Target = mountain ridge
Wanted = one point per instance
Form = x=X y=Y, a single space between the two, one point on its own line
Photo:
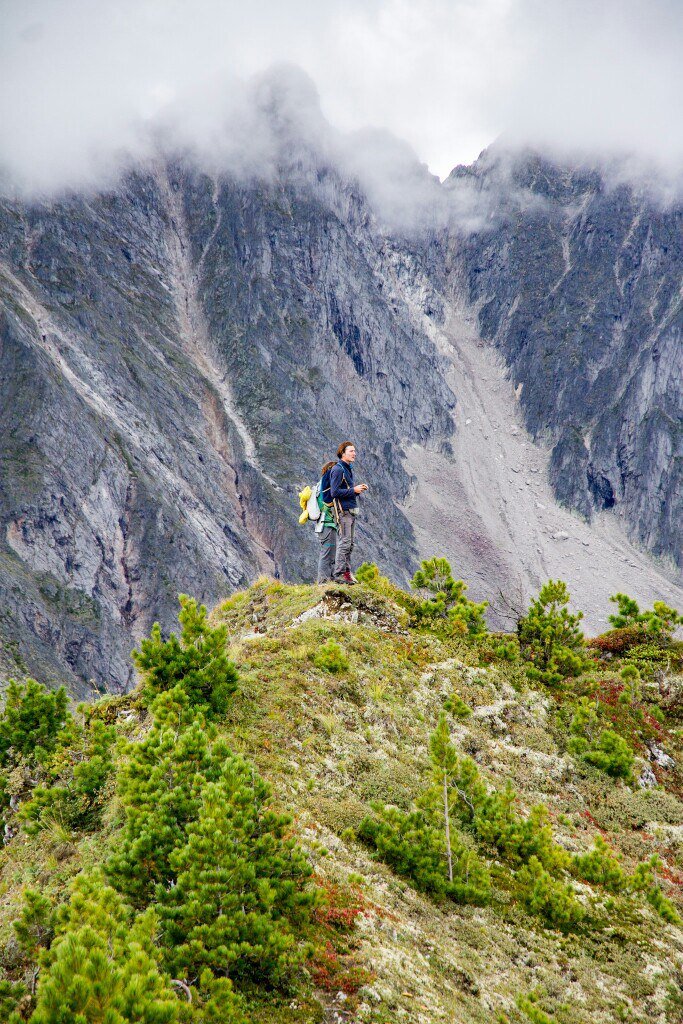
x=166 y=346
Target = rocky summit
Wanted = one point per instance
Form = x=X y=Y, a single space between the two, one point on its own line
x=181 y=350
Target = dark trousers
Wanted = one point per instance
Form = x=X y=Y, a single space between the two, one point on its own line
x=347 y=529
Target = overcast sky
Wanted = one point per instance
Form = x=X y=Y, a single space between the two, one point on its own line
x=81 y=80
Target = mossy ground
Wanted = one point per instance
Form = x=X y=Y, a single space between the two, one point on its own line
x=333 y=739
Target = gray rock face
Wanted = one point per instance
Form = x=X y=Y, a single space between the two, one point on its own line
x=579 y=285
x=177 y=358
x=180 y=354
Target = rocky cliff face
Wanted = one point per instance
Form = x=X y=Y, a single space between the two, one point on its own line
x=179 y=354
x=579 y=284
x=177 y=359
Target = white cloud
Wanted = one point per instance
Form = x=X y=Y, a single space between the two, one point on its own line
x=81 y=82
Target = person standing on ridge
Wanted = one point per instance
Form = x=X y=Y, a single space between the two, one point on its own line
x=326 y=527
x=344 y=494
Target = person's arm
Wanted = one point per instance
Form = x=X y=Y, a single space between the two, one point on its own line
x=337 y=488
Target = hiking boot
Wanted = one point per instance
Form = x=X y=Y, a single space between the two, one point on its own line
x=350 y=578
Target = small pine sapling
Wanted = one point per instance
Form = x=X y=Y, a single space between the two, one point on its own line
x=603 y=748
x=600 y=866
x=34 y=928
x=330 y=657
x=197 y=660
x=159 y=786
x=632 y=693
x=552 y=900
x=644 y=880
x=661 y=620
x=550 y=639
x=443 y=599
x=32 y=720
x=103 y=965
x=445 y=763
x=240 y=885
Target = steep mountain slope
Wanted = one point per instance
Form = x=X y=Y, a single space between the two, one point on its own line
x=178 y=358
x=178 y=355
x=580 y=286
x=335 y=735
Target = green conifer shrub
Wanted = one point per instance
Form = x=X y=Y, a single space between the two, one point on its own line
x=32 y=720
x=660 y=619
x=414 y=847
x=76 y=800
x=103 y=965
x=632 y=693
x=240 y=885
x=197 y=661
x=552 y=900
x=330 y=658
x=34 y=928
x=159 y=785
x=12 y=995
x=369 y=574
x=644 y=880
x=550 y=639
x=600 y=867
x=518 y=839
x=604 y=748
x=457 y=707
x=443 y=600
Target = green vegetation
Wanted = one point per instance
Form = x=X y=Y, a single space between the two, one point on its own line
x=660 y=619
x=380 y=810
x=550 y=639
x=603 y=748
x=197 y=661
x=443 y=599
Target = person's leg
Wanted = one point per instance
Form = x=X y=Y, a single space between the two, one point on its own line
x=328 y=543
x=344 y=545
x=353 y=539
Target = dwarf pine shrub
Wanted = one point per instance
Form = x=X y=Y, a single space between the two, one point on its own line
x=644 y=880
x=550 y=639
x=414 y=847
x=32 y=720
x=443 y=601
x=601 y=867
x=103 y=965
x=239 y=885
x=661 y=620
x=34 y=928
x=330 y=658
x=75 y=801
x=551 y=899
x=159 y=786
x=197 y=660
x=12 y=994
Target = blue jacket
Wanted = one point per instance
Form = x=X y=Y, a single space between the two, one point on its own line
x=341 y=485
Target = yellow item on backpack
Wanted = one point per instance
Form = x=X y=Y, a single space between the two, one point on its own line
x=304 y=497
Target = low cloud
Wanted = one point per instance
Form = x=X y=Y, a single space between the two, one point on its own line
x=87 y=87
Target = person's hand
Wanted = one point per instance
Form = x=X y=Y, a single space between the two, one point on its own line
x=359 y=488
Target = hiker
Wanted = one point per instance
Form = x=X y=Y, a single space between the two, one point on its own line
x=326 y=527
x=344 y=494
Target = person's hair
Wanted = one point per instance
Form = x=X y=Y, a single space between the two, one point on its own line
x=328 y=465
x=343 y=446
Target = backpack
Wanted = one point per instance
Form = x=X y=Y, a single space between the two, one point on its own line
x=308 y=499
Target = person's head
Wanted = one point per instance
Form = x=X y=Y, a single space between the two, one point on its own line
x=346 y=451
x=328 y=465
